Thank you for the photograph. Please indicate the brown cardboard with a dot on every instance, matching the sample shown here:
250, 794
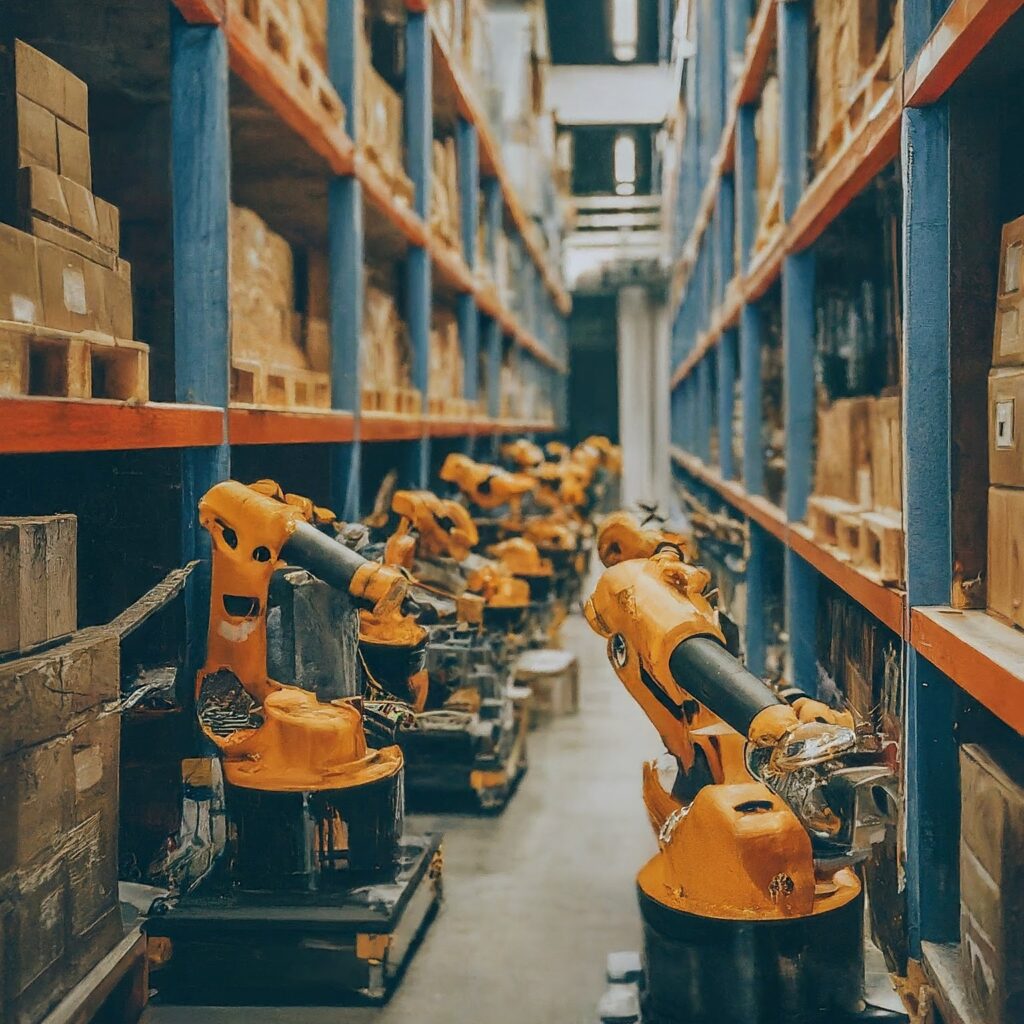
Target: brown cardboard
886, 453
1006, 553
13, 381
37, 135
119, 300
38, 579
70, 301
108, 220
73, 243
45, 82
73, 154
992, 880
20, 294
1008, 341
82, 207
40, 193
1006, 427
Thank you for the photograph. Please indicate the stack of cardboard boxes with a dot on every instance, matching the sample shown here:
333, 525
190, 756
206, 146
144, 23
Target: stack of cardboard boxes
382, 126
1006, 446
269, 365
445, 366
59, 742
992, 880
384, 357
444, 193
65, 294
858, 53
857, 502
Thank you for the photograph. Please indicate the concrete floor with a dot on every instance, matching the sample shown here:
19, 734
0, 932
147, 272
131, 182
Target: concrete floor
534, 899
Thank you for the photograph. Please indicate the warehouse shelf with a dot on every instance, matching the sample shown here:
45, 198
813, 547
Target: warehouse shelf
961, 34
983, 656
278, 426
868, 151
37, 425
455, 80
258, 66
887, 604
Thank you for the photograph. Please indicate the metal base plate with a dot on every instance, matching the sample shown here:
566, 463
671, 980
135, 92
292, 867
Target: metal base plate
299, 948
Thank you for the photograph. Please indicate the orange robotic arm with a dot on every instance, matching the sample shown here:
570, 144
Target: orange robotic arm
488, 487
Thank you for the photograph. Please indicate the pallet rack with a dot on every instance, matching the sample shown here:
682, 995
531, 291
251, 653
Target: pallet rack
135, 472
952, 656
206, 44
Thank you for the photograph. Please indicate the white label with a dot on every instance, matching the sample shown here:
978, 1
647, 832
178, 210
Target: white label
23, 309
1009, 337
1004, 424
88, 768
74, 291
1011, 269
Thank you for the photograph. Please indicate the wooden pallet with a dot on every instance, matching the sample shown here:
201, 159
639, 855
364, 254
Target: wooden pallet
857, 107
277, 24
881, 545
452, 408
116, 989
41, 361
401, 401
282, 387
823, 517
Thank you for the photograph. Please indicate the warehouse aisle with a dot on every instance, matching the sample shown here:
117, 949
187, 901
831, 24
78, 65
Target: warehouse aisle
535, 899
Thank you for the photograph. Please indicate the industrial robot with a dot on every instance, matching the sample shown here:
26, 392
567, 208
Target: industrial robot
752, 907
466, 736
320, 895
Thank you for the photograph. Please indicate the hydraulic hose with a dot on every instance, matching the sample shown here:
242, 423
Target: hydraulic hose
332, 562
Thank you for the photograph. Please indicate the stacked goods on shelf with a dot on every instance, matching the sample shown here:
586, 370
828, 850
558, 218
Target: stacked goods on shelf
381, 124
384, 356
445, 371
857, 502
268, 363
316, 323
773, 432
992, 880
769, 186
59, 740
858, 54
66, 319
444, 193
1005, 444
295, 33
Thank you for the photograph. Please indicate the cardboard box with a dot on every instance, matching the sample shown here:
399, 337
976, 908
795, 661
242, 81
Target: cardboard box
20, 291
1008, 342
38, 579
37, 135
992, 880
108, 220
46, 83
1006, 553
40, 194
73, 154
73, 243
1005, 426
68, 303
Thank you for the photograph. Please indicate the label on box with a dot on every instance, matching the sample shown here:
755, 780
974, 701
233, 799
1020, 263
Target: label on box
23, 309
1004, 424
74, 291
1011, 268
1009, 337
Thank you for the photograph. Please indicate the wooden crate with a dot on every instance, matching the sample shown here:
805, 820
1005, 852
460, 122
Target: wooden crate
886, 453
1006, 553
282, 387
41, 361
1008, 343
843, 464
881, 550
400, 401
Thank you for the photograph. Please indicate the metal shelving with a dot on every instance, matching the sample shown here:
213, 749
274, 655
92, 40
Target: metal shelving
956, 662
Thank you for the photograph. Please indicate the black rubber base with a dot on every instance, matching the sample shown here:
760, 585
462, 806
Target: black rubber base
237, 947
700, 970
